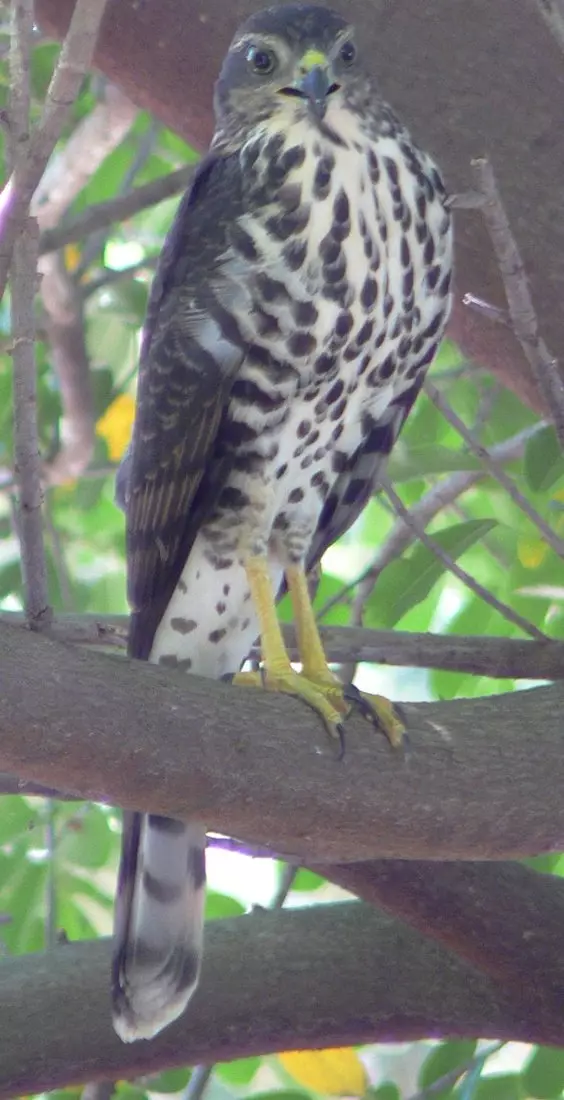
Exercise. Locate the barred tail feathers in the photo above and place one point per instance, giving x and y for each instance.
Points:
(158, 923)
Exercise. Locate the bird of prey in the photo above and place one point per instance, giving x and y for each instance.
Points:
(298, 302)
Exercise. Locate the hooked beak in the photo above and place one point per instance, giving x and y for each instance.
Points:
(314, 87)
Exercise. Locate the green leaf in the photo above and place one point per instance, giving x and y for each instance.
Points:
(10, 580)
(239, 1072)
(221, 905)
(409, 580)
(444, 1059)
(282, 1094)
(329, 587)
(387, 1091)
(16, 817)
(308, 880)
(416, 462)
(543, 462)
(543, 1075)
(171, 1080)
(500, 1086)
(86, 838)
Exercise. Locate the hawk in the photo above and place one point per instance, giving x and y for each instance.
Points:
(298, 302)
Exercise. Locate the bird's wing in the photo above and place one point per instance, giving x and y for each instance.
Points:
(171, 474)
(356, 483)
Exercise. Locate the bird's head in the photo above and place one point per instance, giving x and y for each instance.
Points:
(287, 62)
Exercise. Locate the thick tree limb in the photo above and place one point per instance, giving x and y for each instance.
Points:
(490, 80)
(501, 918)
(332, 975)
(480, 779)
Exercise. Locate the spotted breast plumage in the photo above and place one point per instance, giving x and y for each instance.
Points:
(298, 303)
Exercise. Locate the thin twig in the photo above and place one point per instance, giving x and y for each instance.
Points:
(453, 567)
(104, 214)
(51, 886)
(73, 63)
(494, 468)
(521, 310)
(68, 171)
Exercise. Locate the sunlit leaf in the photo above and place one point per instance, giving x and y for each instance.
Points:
(543, 462)
(16, 817)
(333, 1072)
(417, 462)
(240, 1071)
(543, 1076)
(222, 905)
(445, 1059)
(116, 424)
(532, 551)
(409, 580)
(86, 838)
(171, 1080)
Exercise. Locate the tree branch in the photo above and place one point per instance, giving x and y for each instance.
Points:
(104, 214)
(384, 982)
(489, 771)
(73, 63)
(495, 657)
(543, 365)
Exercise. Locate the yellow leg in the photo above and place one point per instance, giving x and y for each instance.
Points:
(312, 654)
(317, 671)
(278, 674)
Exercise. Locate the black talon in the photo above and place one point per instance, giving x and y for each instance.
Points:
(354, 696)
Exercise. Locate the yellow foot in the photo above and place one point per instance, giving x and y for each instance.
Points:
(333, 702)
(380, 711)
(326, 699)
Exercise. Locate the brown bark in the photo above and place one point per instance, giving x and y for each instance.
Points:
(334, 975)
(480, 779)
(472, 77)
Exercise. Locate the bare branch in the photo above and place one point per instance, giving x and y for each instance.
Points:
(64, 325)
(385, 982)
(494, 468)
(495, 657)
(104, 214)
(67, 173)
(260, 766)
(74, 61)
(478, 589)
(521, 310)
(91, 142)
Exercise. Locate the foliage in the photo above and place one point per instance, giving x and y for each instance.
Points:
(58, 860)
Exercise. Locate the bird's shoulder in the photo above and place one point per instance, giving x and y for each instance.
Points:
(198, 235)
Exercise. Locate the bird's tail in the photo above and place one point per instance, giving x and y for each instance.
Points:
(158, 923)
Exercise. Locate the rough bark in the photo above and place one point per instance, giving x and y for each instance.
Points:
(479, 779)
(334, 975)
(473, 78)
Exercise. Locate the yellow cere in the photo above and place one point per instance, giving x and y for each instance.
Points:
(312, 58)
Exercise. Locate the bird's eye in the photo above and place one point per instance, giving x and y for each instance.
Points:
(261, 60)
(347, 53)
